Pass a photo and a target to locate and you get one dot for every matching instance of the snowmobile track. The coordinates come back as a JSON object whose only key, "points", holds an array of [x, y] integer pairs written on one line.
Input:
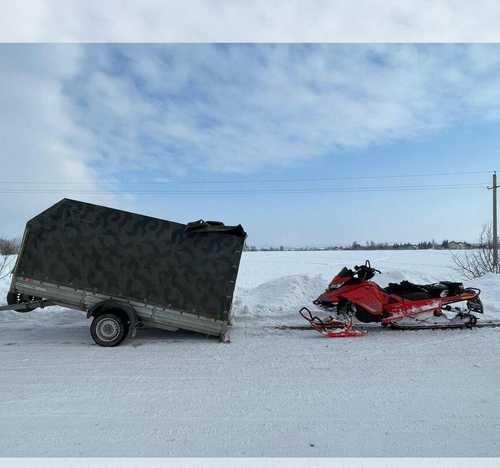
{"points": [[479, 324]]}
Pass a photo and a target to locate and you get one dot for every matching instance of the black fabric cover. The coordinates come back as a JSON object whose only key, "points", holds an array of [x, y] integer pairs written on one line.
{"points": [[190, 268]]}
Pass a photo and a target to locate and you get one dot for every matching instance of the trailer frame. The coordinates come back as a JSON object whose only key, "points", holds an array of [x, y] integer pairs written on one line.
{"points": [[149, 315]]}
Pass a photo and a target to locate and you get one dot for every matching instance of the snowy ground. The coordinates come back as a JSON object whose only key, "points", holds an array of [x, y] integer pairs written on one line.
{"points": [[270, 392]]}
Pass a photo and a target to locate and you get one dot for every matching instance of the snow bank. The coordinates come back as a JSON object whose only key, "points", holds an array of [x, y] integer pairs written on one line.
{"points": [[276, 301], [273, 286], [278, 298]]}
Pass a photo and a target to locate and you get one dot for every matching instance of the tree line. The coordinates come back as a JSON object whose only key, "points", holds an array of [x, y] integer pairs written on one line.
{"points": [[371, 245], [9, 246]]}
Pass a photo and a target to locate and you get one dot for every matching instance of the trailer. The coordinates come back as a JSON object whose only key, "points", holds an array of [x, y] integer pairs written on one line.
{"points": [[126, 270]]}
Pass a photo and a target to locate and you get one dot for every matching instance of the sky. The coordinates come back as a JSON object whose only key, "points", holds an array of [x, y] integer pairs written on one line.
{"points": [[250, 21], [303, 144]]}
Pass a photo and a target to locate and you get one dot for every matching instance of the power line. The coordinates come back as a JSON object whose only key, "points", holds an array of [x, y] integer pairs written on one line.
{"points": [[254, 191], [244, 180]]}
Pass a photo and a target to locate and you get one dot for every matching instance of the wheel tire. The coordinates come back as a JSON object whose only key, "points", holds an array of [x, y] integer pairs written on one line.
{"points": [[108, 330]]}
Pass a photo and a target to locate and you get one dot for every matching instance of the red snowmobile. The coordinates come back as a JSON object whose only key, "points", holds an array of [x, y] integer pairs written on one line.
{"points": [[403, 305]]}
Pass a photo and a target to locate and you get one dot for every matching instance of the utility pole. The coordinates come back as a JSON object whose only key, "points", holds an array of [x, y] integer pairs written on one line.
{"points": [[495, 228]]}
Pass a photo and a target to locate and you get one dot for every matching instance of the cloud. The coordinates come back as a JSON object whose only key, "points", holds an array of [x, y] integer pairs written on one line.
{"points": [[88, 113], [39, 140], [173, 108], [258, 20]]}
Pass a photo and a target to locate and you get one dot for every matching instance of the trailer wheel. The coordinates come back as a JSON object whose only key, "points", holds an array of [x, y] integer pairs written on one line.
{"points": [[108, 330]]}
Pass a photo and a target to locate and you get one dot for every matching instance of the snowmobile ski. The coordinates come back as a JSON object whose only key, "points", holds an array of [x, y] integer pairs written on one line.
{"points": [[330, 327], [346, 332]]}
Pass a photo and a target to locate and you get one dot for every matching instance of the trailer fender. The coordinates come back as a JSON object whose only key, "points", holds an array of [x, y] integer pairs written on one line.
{"points": [[110, 304]]}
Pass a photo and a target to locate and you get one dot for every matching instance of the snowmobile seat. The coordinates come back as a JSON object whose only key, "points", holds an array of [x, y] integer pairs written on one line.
{"points": [[415, 292], [435, 290], [454, 288], [444, 288], [408, 290]]}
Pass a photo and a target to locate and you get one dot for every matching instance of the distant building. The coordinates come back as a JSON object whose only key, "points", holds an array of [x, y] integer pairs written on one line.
{"points": [[454, 245]]}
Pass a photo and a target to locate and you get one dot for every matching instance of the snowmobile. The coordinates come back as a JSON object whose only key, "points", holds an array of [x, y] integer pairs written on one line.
{"points": [[402, 305]]}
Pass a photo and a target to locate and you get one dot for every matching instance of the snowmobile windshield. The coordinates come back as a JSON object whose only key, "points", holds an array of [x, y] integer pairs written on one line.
{"points": [[344, 272], [342, 277]]}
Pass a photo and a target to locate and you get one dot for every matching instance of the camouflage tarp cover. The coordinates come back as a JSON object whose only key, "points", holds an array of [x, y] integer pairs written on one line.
{"points": [[190, 268]]}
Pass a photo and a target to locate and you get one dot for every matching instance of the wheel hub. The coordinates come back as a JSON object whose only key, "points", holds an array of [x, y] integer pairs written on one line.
{"points": [[108, 329]]}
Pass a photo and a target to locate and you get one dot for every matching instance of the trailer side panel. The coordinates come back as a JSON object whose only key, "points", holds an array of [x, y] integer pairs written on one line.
{"points": [[135, 257]]}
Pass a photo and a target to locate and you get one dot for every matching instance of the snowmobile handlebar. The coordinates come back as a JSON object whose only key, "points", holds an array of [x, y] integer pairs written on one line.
{"points": [[366, 271]]}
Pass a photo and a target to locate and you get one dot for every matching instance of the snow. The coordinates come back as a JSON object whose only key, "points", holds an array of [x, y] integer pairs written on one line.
{"points": [[267, 292], [270, 392]]}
